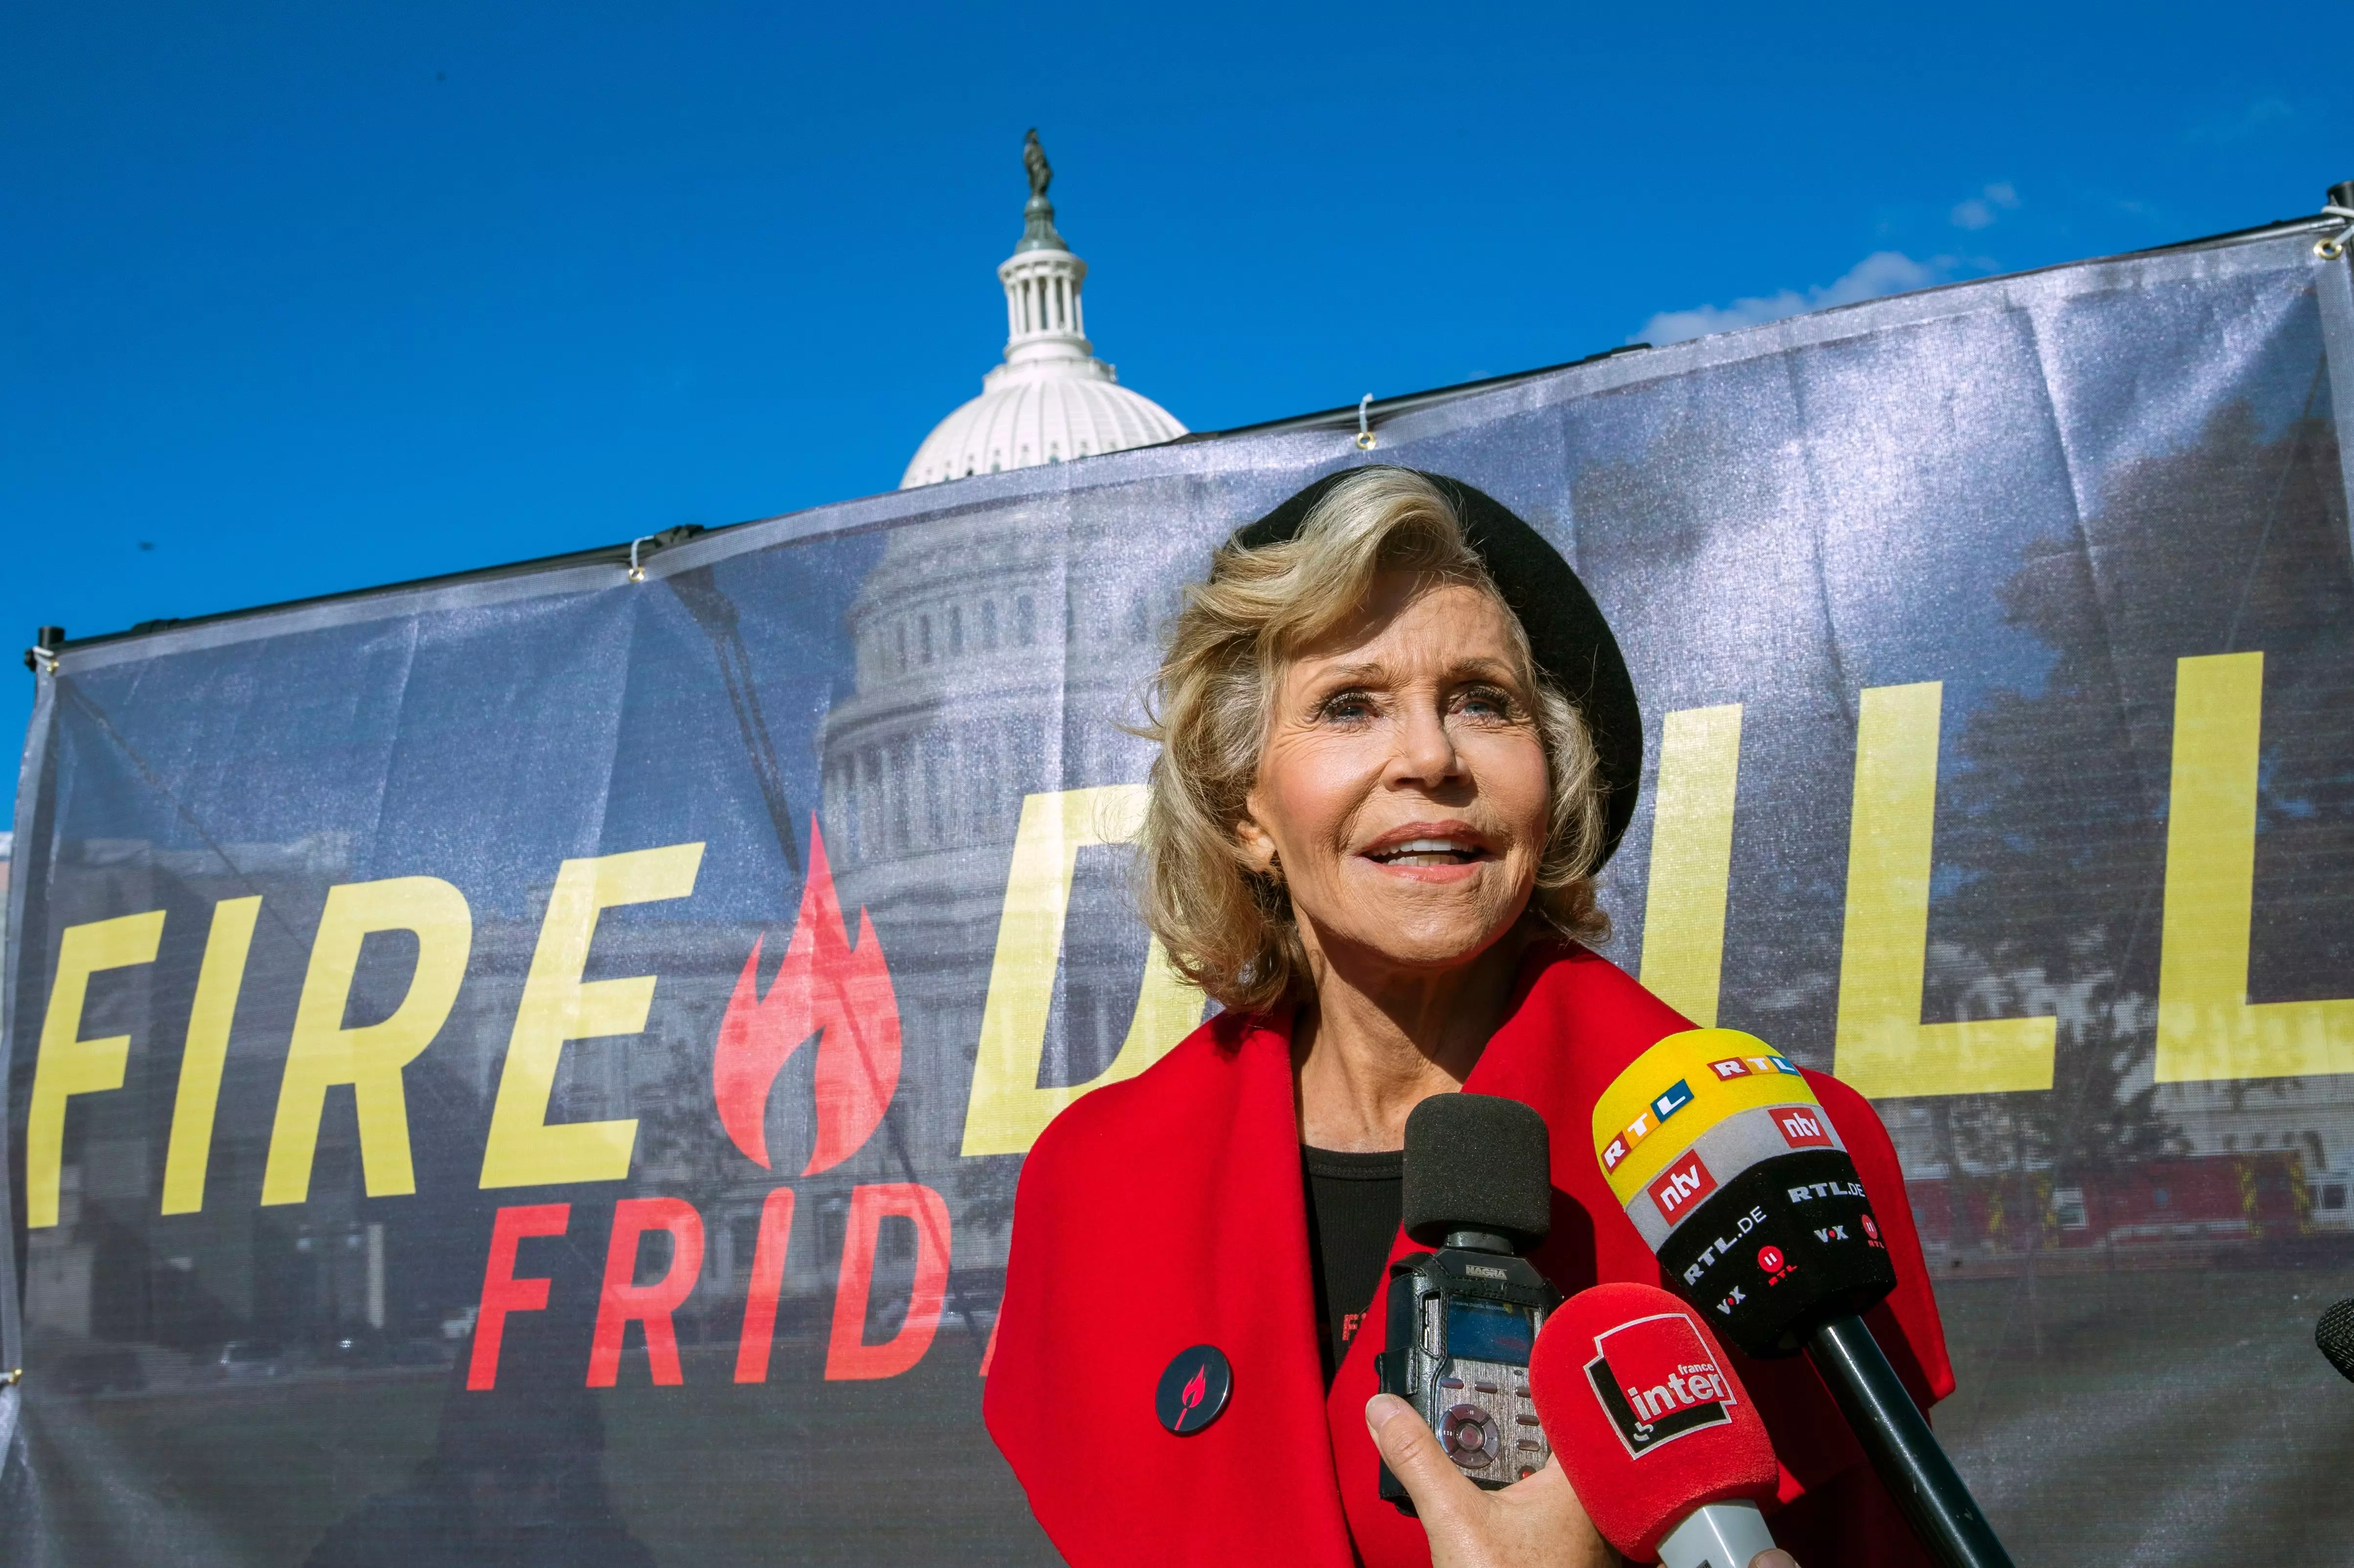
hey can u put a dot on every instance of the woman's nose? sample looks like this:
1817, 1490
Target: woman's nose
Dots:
1426, 752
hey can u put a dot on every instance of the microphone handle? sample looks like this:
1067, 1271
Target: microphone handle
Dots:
1897, 1438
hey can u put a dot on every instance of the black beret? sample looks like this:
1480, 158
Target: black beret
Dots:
1567, 636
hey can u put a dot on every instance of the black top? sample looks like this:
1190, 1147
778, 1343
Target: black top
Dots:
1352, 1217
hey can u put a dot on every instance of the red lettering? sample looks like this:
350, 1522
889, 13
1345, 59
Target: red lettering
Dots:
848, 1357
502, 1292
768, 1279
989, 1352
621, 1301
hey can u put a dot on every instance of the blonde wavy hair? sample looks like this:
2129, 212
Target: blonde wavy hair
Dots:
1229, 928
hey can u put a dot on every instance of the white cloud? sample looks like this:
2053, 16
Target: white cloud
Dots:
2255, 119
1979, 210
1881, 272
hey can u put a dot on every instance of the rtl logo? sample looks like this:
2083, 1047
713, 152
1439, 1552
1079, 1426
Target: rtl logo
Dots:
1775, 1266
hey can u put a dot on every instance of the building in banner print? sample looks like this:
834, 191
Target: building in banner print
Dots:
960, 709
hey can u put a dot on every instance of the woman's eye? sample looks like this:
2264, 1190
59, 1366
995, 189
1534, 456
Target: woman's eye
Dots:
1346, 707
1486, 702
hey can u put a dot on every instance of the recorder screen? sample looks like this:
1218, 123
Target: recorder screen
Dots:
1488, 1332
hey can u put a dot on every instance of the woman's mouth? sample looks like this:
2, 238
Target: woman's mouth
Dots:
1435, 850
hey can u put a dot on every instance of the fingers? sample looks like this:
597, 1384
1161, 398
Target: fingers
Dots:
1412, 1452
1778, 1558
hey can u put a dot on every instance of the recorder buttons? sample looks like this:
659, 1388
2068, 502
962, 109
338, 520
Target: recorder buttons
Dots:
1469, 1436
1194, 1389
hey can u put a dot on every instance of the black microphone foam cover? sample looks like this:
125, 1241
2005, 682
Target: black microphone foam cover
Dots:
1477, 1162
2334, 1334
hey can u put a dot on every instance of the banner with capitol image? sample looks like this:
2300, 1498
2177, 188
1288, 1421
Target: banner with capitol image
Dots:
544, 1059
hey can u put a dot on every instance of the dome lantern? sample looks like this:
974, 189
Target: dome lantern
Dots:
1052, 401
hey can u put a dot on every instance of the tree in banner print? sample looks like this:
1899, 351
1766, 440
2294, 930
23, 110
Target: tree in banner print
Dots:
825, 989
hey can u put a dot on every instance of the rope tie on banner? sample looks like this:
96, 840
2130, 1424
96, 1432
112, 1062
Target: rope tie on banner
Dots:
2330, 247
637, 572
1364, 423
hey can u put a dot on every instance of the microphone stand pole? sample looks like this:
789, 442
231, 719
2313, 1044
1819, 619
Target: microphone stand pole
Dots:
1896, 1439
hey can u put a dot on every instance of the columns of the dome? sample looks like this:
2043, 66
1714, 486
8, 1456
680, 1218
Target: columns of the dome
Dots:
1042, 294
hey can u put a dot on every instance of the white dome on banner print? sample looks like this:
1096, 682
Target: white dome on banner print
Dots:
1052, 401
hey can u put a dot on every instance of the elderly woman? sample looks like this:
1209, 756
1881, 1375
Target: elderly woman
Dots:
1398, 742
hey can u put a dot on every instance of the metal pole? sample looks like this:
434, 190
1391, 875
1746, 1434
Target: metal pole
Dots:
1896, 1439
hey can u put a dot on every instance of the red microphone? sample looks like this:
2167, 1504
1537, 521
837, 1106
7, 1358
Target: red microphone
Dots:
1661, 1442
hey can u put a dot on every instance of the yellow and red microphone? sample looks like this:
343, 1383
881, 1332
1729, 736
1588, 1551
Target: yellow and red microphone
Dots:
1726, 1163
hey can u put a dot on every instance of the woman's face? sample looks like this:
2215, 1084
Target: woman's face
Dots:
1402, 787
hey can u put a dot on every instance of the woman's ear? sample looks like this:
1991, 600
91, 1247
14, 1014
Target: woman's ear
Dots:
1258, 849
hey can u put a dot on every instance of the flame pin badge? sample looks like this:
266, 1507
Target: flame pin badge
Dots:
1194, 1389
826, 990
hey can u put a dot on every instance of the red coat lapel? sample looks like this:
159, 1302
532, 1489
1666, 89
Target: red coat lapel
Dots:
1153, 1215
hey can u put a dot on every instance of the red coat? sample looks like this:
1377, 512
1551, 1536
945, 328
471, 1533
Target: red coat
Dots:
1168, 1212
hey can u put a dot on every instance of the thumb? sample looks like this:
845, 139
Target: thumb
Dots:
1412, 1452
1776, 1558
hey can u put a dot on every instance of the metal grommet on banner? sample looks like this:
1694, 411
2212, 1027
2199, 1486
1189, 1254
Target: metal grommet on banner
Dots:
12, 1377
2330, 247
41, 658
1365, 442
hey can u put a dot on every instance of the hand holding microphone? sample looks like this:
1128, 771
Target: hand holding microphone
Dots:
1538, 1523
1666, 1451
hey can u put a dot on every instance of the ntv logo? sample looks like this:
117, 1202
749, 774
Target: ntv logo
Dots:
1802, 1126
1681, 1185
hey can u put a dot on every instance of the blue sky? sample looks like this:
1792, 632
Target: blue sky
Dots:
300, 298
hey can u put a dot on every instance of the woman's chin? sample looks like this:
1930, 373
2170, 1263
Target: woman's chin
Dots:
1411, 938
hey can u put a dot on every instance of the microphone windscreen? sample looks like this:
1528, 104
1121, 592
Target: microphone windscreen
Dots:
1731, 1169
1477, 1162
1643, 1410
2335, 1336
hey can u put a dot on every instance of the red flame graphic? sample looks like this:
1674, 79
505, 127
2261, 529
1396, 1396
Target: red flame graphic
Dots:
1193, 1392
826, 989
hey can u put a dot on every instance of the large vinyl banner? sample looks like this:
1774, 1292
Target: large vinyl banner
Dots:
534, 1070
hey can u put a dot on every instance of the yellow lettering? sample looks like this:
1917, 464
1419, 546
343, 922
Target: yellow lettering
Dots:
2207, 1027
525, 1149
1007, 1110
68, 1065
1883, 1048
322, 1053
1691, 858
217, 985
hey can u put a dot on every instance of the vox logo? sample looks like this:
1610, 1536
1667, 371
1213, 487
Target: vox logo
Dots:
1681, 1186
824, 990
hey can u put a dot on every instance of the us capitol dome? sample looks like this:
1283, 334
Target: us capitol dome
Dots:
1052, 401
